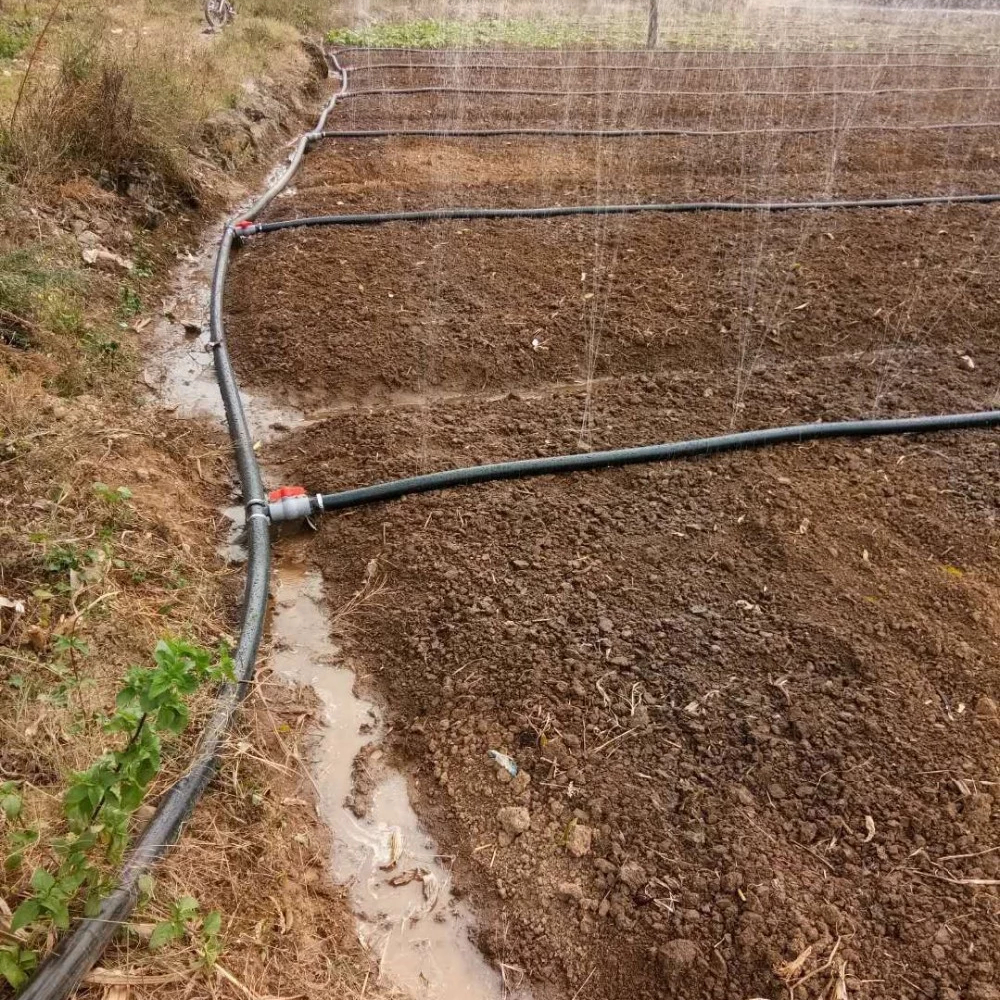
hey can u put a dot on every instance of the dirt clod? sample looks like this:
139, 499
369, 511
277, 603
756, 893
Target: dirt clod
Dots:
579, 840
514, 819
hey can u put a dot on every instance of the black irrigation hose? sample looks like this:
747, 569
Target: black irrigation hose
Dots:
628, 133
672, 451
728, 52
654, 68
63, 970
557, 211
511, 92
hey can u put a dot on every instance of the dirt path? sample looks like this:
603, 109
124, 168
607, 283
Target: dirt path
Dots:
753, 699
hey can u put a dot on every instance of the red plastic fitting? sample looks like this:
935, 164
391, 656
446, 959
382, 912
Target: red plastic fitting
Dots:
276, 496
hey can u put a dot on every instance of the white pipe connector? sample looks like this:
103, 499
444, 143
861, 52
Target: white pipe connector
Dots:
294, 508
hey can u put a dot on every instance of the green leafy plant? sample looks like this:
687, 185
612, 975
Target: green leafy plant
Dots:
17, 963
13, 38
11, 802
182, 911
69, 650
129, 303
113, 497
100, 801
210, 943
185, 919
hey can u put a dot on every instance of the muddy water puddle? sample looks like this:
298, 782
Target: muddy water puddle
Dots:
418, 934
181, 369
416, 931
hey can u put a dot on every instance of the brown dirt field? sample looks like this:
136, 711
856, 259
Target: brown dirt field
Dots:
765, 683
438, 110
363, 175
491, 306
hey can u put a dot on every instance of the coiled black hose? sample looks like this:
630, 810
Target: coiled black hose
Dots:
672, 451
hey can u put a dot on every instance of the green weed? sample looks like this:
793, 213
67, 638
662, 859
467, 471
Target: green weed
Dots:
542, 33
129, 302
100, 801
29, 284
13, 39
185, 917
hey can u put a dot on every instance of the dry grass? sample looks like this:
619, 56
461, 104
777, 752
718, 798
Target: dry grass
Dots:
117, 114
122, 93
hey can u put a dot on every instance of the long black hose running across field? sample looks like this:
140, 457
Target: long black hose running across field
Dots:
639, 133
561, 211
671, 451
782, 94
660, 68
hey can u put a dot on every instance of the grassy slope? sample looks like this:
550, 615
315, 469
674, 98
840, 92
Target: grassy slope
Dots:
108, 517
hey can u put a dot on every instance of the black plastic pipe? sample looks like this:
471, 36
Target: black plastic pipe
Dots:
727, 52
655, 68
629, 133
65, 968
672, 451
512, 92
557, 211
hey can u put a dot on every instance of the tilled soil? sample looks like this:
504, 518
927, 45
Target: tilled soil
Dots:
350, 175
753, 699
486, 306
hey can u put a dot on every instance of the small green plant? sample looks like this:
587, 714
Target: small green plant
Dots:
182, 911
101, 800
17, 964
129, 303
69, 650
116, 499
62, 558
185, 919
13, 39
11, 802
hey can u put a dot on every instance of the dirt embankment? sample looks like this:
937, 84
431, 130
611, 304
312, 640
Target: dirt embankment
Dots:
110, 517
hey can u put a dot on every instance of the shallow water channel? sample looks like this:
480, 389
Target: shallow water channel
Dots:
418, 934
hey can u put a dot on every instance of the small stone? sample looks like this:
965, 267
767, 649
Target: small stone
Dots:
776, 792
967, 363
579, 841
603, 908
520, 782
632, 875
570, 890
606, 625
744, 795
986, 707
514, 819
680, 953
